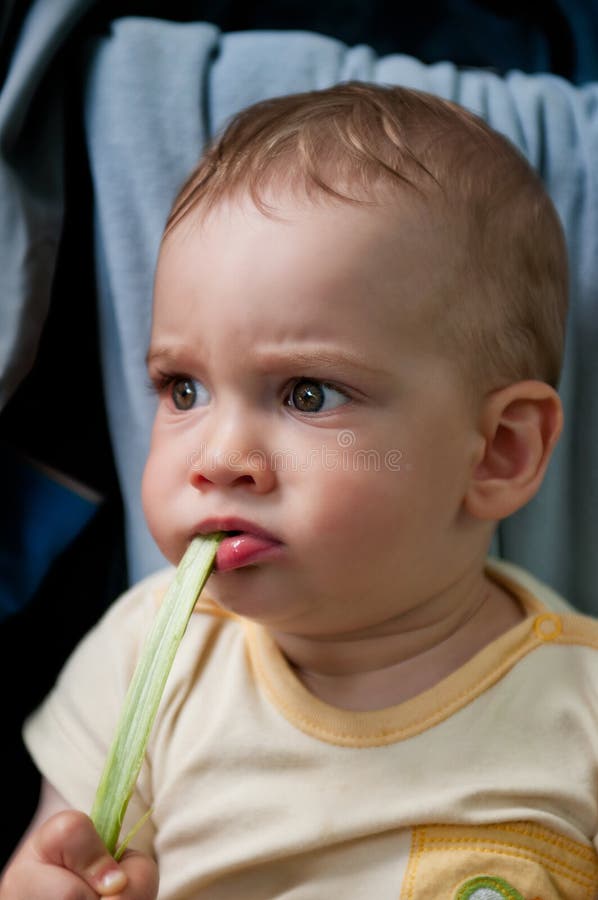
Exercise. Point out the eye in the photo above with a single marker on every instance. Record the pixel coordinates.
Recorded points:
(309, 396)
(187, 393)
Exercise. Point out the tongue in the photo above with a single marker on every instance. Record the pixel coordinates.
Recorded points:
(241, 549)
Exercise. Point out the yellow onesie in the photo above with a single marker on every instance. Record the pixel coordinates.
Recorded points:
(483, 788)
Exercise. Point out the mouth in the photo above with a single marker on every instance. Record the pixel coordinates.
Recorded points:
(244, 543)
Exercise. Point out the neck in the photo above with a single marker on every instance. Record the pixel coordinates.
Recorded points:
(394, 660)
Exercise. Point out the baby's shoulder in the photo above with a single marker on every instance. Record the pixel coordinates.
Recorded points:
(550, 620)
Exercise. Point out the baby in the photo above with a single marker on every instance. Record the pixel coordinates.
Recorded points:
(357, 336)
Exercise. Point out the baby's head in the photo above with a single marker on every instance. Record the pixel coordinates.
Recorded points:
(358, 327)
(501, 306)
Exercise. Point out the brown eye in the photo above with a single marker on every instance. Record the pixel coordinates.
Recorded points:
(307, 396)
(184, 394)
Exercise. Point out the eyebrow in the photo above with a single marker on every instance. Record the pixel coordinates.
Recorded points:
(276, 359)
(299, 358)
(167, 354)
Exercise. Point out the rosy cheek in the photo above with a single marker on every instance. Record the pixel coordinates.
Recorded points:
(150, 488)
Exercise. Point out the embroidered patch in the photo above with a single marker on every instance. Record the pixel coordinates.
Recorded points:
(487, 887)
(510, 860)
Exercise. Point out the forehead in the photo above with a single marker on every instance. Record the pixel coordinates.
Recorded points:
(343, 281)
(395, 250)
(366, 278)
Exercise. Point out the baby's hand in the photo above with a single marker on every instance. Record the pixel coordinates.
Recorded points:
(65, 859)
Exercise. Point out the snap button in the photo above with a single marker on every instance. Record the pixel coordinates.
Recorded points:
(548, 626)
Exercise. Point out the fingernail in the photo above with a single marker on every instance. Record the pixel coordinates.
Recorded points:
(113, 880)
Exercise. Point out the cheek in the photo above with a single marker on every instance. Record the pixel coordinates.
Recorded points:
(360, 502)
(159, 482)
(158, 498)
(150, 490)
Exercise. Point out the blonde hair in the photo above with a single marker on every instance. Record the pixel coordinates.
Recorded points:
(503, 314)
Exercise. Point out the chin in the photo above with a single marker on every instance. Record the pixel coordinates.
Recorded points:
(172, 554)
(237, 592)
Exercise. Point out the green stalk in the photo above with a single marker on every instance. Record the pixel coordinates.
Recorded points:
(146, 688)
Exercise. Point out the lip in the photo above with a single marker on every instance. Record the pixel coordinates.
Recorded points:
(233, 523)
(251, 545)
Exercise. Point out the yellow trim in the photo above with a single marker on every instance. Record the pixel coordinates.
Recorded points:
(386, 726)
(205, 605)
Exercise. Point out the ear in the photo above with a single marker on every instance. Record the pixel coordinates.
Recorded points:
(520, 426)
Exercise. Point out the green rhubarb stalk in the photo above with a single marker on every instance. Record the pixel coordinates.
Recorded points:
(146, 688)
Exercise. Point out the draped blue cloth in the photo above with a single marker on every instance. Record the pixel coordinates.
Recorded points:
(155, 92)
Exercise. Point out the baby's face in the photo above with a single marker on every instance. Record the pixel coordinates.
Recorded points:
(300, 392)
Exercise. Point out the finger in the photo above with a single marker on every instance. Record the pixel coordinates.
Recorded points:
(25, 880)
(142, 877)
(70, 840)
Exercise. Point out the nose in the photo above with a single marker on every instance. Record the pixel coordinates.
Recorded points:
(230, 455)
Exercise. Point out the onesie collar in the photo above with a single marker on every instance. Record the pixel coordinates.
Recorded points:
(543, 623)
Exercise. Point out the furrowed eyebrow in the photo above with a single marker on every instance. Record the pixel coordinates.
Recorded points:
(319, 358)
(167, 355)
(276, 359)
